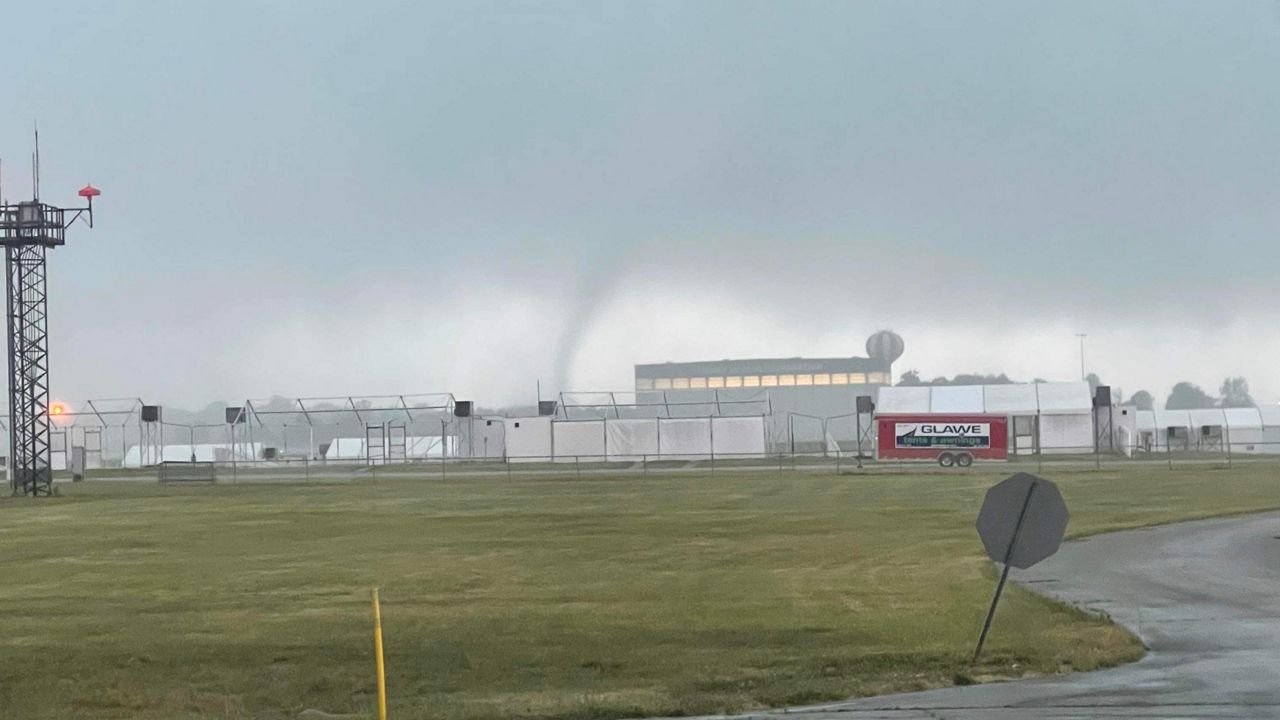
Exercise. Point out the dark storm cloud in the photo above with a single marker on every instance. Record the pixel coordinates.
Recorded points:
(474, 196)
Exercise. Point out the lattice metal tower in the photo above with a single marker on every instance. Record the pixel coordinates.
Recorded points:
(28, 230)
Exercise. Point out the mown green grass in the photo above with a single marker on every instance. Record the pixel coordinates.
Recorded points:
(538, 598)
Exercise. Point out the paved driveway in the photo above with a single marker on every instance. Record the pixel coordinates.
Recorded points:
(1205, 596)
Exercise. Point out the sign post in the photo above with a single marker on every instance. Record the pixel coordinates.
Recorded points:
(1022, 521)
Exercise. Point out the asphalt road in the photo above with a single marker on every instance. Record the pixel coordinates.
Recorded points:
(1204, 596)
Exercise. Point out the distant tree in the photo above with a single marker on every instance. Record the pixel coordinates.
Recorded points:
(912, 377)
(1094, 381)
(1188, 396)
(277, 403)
(1142, 400)
(1235, 393)
(980, 379)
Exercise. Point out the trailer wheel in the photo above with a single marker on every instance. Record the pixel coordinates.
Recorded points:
(964, 460)
(946, 459)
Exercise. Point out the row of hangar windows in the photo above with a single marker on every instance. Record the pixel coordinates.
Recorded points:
(755, 381)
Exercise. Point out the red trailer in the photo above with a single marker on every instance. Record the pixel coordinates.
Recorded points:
(948, 439)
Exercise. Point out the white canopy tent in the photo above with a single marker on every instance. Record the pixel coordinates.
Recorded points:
(1056, 417)
(138, 456)
(959, 399)
(903, 400)
(1208, 428)
(1012, 399)
(1173, 429)
(1246, 430)
(543, 439)
(1270, 415)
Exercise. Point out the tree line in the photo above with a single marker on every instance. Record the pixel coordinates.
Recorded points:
(1233, 393)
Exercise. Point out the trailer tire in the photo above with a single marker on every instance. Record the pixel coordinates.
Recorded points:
(946, 459)
(964, 460)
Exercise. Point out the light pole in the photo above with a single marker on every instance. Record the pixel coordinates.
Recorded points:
(1082, 336)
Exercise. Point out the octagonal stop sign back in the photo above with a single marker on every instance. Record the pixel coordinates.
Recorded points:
(1029, 507)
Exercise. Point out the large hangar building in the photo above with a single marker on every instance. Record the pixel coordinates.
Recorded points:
(810, 401)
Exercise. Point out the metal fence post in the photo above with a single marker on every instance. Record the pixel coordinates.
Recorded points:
(857, 434)
(232, 428)
(711, 435)
(1227, 443)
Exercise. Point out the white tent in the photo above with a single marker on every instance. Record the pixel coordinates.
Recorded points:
(736, 437)
(1248, 430)
(1244, 430)
(422, 447)
(1012, 399)
(1020, 403)
(1066, 417)
(416, 447)
(957, 399)
(1207, 417)
(1067, 398)
(902, 400)
(1208, 428)
(1062, 412)
(1173, 429)
(1146, 432)
(348, 448)
(634, 439)
(1270, 415)
(528, 439)
(685, 439)
(631, 440)
(578, 440)
(137, 456)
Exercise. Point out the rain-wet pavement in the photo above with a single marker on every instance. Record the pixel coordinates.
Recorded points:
(1204, 596)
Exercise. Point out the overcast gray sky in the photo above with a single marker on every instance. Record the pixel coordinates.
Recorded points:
(322, 198)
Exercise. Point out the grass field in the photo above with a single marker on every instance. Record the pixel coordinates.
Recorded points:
(539, 598)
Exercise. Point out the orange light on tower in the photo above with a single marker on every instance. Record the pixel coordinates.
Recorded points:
(89, 192)
(57, 409)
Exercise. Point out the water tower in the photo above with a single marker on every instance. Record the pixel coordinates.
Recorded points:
(885, 346)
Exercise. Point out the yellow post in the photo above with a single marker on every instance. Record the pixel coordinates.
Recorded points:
(377, 649)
